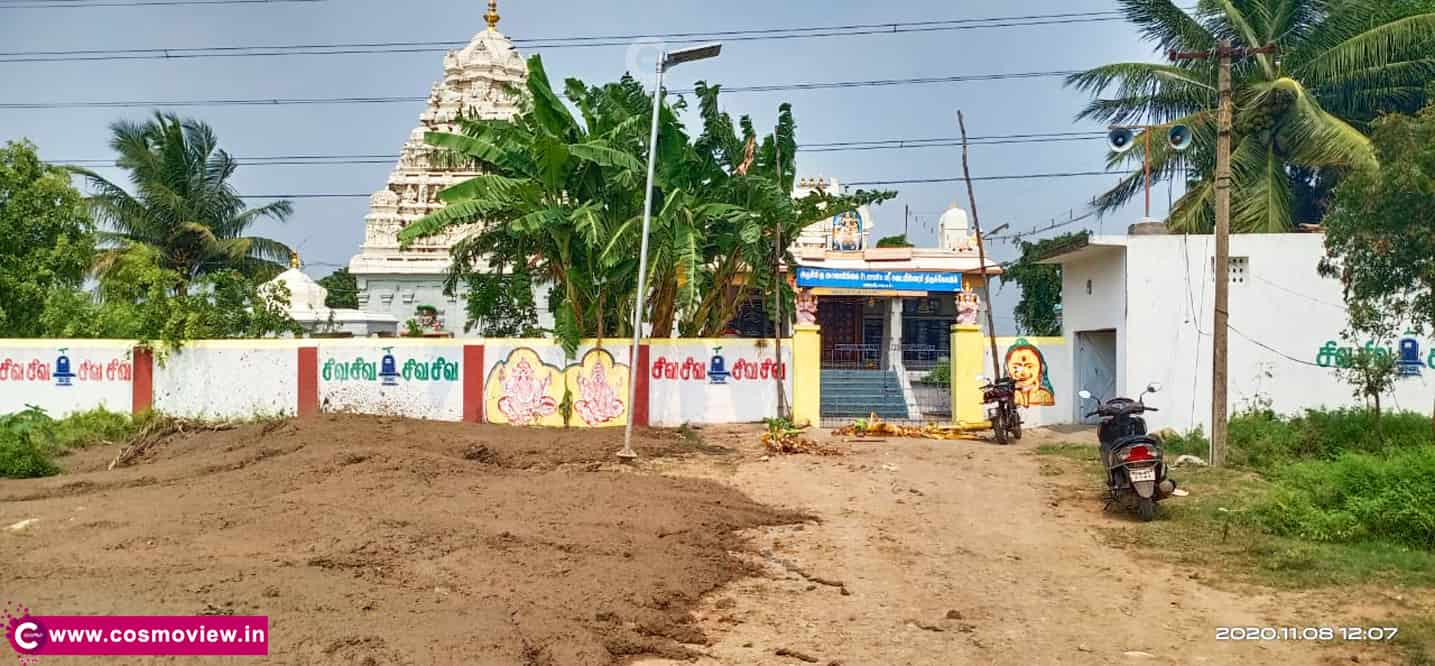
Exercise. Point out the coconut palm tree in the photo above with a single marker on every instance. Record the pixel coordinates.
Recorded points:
(183, 206)
(1300, 115)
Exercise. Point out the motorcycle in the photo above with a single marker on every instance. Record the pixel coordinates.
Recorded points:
(1134, 461)
(1006, 420)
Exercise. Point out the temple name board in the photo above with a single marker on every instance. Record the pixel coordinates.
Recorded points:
(832, 278)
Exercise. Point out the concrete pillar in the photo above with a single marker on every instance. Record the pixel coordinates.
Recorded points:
(967, 362)
(807, 375)
(892, 335)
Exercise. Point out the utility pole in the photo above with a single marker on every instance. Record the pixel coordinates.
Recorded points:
(981, 254)
(1220, 336)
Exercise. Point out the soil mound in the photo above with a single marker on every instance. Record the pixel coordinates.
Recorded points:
(383, 540)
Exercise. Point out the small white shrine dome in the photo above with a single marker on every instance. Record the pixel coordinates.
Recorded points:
(304, 292)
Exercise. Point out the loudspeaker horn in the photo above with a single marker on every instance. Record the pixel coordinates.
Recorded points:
(1121, 140)
(1181, 137)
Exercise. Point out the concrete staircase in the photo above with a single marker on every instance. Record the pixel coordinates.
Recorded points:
(859, 393)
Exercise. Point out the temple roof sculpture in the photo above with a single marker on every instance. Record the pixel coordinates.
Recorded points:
(480, 80)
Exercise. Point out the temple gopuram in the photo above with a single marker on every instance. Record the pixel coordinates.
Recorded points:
(477, 82)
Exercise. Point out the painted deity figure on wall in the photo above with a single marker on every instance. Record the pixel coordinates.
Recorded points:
(806, 307)
(1026, 364)
(597, 401)
(968, 305)
(525, 396)
(847, 233)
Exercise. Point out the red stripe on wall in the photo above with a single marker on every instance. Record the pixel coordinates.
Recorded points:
(308, 381)
(142, 387)
(473, 383)
(640, 410)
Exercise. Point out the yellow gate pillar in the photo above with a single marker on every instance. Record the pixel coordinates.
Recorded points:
(807, 375)
(967, 363)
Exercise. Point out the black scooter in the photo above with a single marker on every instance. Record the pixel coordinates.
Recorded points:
(1134, 461)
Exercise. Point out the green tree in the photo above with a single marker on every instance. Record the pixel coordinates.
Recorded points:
(899, 240)
(561, 200)
(138, 299)
(501, 306)
(46, 239)
(184, 206)
(343, 289)
(1039, 310)
(1298, 115)
(1380, 234)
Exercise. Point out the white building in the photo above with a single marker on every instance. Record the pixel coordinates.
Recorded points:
(307, 306)
(1138, 309)
(391, 281)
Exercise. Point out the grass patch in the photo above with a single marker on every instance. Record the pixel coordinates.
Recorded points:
(1218, 528)
(1264, 441)
(1417, 640)
(31, 440)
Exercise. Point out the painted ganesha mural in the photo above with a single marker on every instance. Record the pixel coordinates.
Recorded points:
(524, 390)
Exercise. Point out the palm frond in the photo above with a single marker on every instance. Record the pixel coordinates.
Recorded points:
(1315, 138)
(1410, 38)
(1261, 201)
(1165, 23)
(1194, 212)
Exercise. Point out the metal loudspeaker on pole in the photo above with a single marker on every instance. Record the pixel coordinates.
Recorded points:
(669, 60)
(1122, 138)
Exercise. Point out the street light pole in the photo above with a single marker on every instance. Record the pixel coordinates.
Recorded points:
(666, 61)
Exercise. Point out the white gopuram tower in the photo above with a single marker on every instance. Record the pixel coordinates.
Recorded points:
(478, 81)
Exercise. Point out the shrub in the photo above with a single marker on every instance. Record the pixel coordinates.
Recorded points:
(83, 429)
(27, 446)
(1261, 440)
(1356, 497)
(941, 373)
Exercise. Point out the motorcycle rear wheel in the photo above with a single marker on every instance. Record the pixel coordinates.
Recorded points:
(999, 426)
(1014, 426)
(1146, 509)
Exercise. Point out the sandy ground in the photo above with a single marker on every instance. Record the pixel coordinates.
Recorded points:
(385, 541)
(961, 553)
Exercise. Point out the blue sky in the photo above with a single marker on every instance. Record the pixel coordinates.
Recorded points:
(327, 232)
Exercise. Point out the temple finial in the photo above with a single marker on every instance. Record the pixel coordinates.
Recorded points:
(293, 259)
(492, 15)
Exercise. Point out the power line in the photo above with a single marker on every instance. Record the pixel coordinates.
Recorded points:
(832, 85)
(953, 179)
(834, 146)
(83, 4)
(1033, 176)
(577, 41)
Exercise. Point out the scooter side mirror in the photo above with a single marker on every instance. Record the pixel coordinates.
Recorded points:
(1153, 387)
(1085, 394)
(983, 379)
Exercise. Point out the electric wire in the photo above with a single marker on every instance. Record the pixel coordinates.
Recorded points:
(761, 88)
(85, 4)
(576, 41)
(835, 146)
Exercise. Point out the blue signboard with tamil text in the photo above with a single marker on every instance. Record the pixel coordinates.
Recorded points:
(835, 278)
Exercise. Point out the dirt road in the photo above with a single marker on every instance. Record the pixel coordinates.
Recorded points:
(961, 553)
